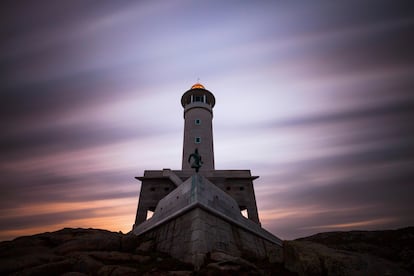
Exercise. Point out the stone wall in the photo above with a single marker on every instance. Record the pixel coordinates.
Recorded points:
(156, 184)
(196, 233)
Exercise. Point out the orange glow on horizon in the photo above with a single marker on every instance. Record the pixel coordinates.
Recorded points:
(111, 214)
(118, 223)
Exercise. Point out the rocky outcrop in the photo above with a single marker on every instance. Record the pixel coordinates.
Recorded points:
(396, 246)
(82, 252)
(308, 258)
(75, 252)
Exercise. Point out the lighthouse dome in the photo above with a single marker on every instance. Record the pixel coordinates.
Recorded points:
(198, 85)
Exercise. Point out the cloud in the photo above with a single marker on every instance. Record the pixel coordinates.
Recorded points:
(73, 186)
(66, 138)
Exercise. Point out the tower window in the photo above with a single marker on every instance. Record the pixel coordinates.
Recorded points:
(198, 140)
(197, 121)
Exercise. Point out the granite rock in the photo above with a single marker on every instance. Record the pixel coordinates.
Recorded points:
(77, 252)
(308, 258)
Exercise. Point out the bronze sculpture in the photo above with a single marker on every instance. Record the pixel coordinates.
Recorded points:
(197, 160)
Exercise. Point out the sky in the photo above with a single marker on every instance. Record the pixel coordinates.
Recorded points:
(315, 97)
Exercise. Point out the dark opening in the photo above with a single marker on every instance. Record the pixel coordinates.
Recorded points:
(149, 214)
(198, 98)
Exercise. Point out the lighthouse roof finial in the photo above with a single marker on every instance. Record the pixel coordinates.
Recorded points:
(198, 85)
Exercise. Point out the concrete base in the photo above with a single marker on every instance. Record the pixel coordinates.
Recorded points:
(157, 184)
(190, 237)
(198, 217)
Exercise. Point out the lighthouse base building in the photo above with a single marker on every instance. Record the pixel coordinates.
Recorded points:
(198, 210)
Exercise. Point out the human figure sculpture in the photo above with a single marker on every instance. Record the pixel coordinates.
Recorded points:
(196, 160)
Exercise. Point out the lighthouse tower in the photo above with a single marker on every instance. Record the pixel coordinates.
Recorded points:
(198, 105)
(197, 210)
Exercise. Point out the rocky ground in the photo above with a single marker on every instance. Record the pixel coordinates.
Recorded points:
(74, 252)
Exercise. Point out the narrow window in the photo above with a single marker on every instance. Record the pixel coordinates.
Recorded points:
(198, 140)
(197, 121)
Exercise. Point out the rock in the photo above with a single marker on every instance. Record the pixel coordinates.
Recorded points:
(76, 252)
(224, 258)
(180, 273)
(19, 262)
(74, 274)
(155, 272)
(141, 259)
(95, 241)
(393, 245)
(24, 246)
(224, 266)
(129, 242)
(86, 264)
(119, 257)
(221, 256)
(115, 270)
(55, 268)
(145, 246)
(275, 255)
(221, 261)
(112, 256)
(308, 258)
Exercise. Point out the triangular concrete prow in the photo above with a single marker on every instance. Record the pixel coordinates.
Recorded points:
(198, 217)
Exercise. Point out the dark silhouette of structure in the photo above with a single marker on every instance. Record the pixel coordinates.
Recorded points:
(194, 214)
(198, 105)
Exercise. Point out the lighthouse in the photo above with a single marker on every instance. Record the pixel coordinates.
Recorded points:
(198, 105)
(197, 210)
